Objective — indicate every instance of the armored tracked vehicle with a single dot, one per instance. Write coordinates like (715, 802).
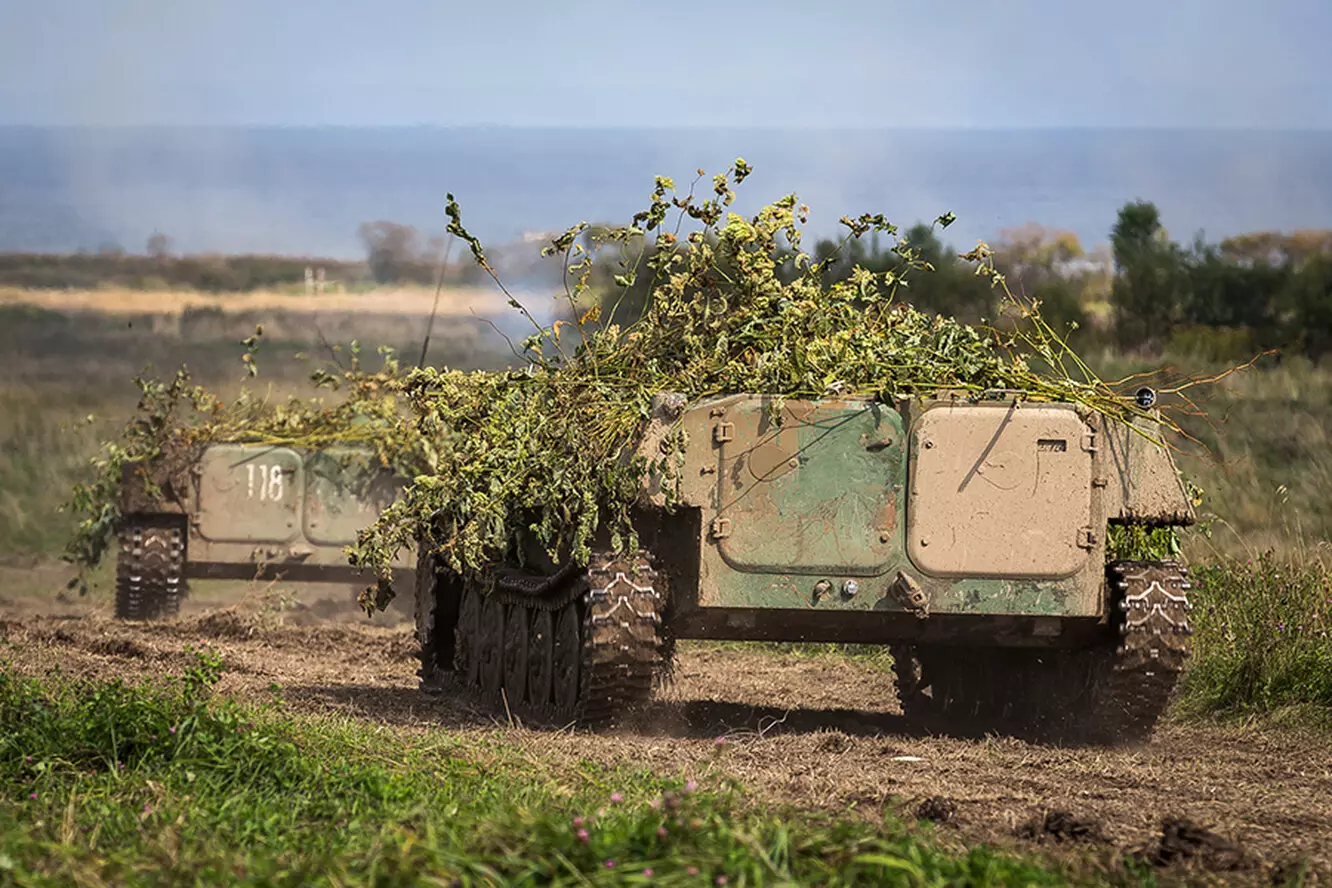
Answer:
(966, 532)
(242, 512)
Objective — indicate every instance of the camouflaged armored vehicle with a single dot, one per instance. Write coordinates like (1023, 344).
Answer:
(969, 535)
(243, 512)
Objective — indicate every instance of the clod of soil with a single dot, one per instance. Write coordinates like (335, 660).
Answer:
(936, 808)
(1183, 841)
(1061, 826)
(836, 743)
(118, 647)
(224, 624)
(402, 649)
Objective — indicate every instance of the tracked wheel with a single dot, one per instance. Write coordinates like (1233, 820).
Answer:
(1110, 694)
(540, 654)
(515, 655)
(468, 656)
(150, 569)
(584, 648)
(490, 647)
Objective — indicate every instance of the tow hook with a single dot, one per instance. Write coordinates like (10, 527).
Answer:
(910, 595)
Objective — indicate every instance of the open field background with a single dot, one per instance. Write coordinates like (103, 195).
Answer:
(359, 784)
(1262, 451)
(413, 302)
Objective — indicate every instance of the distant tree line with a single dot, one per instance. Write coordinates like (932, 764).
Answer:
(1144, 293)
(1224, 300)
(1263, 290)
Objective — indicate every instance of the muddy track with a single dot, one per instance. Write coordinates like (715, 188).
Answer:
(820, 733)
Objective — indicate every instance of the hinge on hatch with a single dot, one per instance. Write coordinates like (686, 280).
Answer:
(1089, 440)
(721, 528)
(723, 432)
(1086, 538)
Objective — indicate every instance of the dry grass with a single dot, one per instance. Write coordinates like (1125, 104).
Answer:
(389, 300)
(1262, 455)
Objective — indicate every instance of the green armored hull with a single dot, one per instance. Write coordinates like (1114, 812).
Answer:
(968, 534)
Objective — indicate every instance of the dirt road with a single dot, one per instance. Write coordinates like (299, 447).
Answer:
(823, 733)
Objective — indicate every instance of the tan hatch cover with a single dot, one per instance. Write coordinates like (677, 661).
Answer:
(1000, 492)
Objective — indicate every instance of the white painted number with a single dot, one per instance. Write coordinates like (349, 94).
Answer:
(269, 480)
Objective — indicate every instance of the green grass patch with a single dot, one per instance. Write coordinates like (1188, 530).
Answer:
(163, 783)
(1263, 640)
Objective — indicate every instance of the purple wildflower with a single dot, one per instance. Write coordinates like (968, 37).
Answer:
(616, 798)
(610, 864)
(583, 835)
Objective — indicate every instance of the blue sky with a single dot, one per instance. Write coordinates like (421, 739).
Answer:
(919, 63)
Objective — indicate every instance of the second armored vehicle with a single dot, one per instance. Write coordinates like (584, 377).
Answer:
(243, 512)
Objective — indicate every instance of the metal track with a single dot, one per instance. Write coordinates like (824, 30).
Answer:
(583, 647)
(150, 571)
(1113, 693)
(1153, 622)
(427, 616)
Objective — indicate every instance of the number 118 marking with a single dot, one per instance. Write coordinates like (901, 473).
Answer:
(268, 481)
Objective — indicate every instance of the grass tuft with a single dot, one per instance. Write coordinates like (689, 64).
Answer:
(1263, 639)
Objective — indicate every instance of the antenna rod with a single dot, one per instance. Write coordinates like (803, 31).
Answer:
(439, 288)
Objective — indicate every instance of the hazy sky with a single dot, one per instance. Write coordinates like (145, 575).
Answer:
(1258, 63)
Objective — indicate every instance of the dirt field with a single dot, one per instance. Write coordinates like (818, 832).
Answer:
(822, 733)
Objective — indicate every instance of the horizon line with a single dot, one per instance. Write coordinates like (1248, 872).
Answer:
(566, 127)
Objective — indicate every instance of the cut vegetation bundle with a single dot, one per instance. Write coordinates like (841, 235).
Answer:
(701, 302)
